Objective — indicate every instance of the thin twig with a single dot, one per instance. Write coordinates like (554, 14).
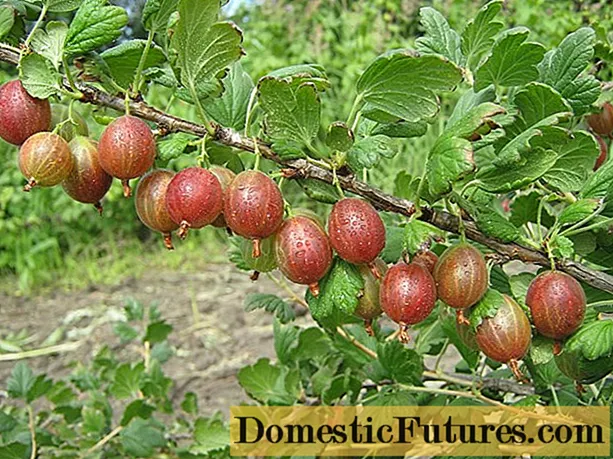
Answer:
(112, 434)
(67, 347)
(32, 427)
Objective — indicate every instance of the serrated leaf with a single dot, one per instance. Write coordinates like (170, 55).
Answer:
(15, 451)
(205, 48)
(210, 435)
(439, 37)
(404, 85)
(418, 235)
(470, 356)
(598, 185)
(94, 25)
(340, 137)
(39, 77)
(156, 14)
(270, 384)
(290, 114)
(450, 159)
(157, 332)
(319, 191)
(20, 381)
(7, 422)
(531, 167)
(393, 398)
(512, 62)
(286, 341)
(524, 209)
(40, 387)
(230, 110)
(125, 332)
(577, 154)
(299, 74)
(340, 386)
(137, 409)
(562, 247)
(562, 69)
(271, 303)
(7, 19)
(469, 101)
(62, 6)
(401, 129)
(366, 153)
(578, 211)
(123, 60)
(338, 296)
(519, 285)
(190, 403)
(593, 340)
(49, 43)
(127, 380)
(94, 421)
(402, 364)
(140, 437)
(394, 244)
(487, 307)
(478, 36)
(495, 225)
(173, 146)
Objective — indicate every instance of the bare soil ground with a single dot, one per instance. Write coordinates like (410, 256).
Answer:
(213, 336)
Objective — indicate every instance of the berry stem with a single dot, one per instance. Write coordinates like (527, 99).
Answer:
(183, 230)
(127, 191)
(257, 248)
(41, 16)
(99, 208)
(138, 82)
(28, 186)
(69, 76)
(403, 335)
(355, 108)
(168, 241)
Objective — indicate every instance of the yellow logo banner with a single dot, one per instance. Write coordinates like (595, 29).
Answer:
(420, 431)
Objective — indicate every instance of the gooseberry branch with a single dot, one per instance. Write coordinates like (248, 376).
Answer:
(303, 169)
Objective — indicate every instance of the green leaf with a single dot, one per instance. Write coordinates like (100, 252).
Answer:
(157, 332)
(487, 307)
(439, 37)
(469, 101)
(134, 310)
(341, 385)
(137, 409)
(340, 137)
(319, 191)
(401, 129)
(578, 211)
(593, 340)
(270, 384)
(141, 437)
(450, 159)
(338, 296)
(531, 168)
(495, 225)
(15, 451)
(41, 386)
(299, 74)
(598, 185)
(470, 356)
(519, 285)
(286, 341)
(577, 154)
(21, 381)
(205, 48)
(127, 381)
(94, 421)
(49, 43)
(289, 113)
(562, 68)
(404, 85)
(7, 422)
(366, 153)
(125, 332)
(123, 60)
(402, 364)
(524, 209)
(39, 77)
(389, 397)
(271, 303)
(478, 36)
(190, 403)
(230, 110)
(62, 6)
(7, 19)
(562, 247)
(94, 25)
(394, 244)
(210, 435)
(173, 146)
(512, 61)
(156, 14)
(418, 235)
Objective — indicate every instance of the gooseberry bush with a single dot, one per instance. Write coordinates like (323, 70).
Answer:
(499, 250)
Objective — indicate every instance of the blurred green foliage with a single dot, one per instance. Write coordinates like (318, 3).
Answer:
(45, 238)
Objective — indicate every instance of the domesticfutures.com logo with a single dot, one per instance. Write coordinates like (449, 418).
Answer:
(420, 431)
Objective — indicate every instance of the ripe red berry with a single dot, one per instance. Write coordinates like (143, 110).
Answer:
(407, 295)
(557, 303)
(356, 231)
(604, 150)
(506, 337)
(461, 277)
(69, 129)
(88, 182)
(602, 123)
(45, 160)
(21, 115)
(127, 149)
(369, 305)
(253, 207)
(194, 199)
(303, 252)
(427, 259)
(150, 201)
(225, 177)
